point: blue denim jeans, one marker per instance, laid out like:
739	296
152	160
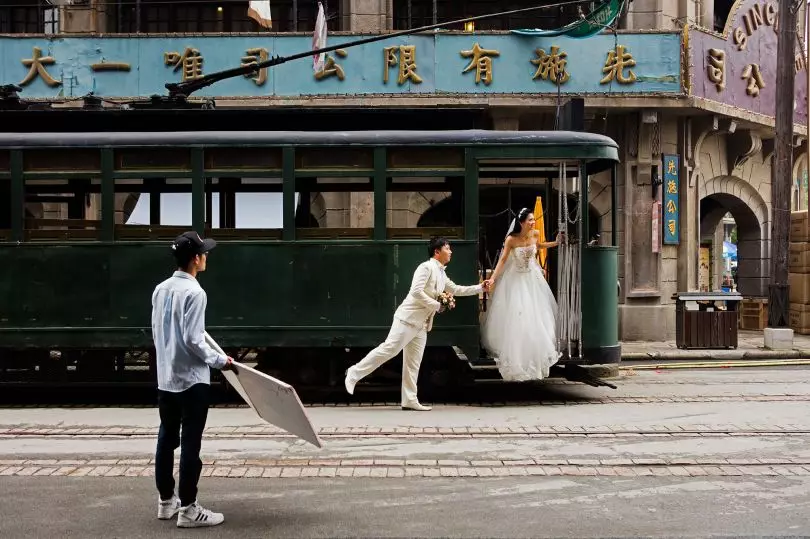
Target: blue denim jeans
189	410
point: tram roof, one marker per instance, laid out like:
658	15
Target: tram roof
573	144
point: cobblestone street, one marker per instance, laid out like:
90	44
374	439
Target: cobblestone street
719	435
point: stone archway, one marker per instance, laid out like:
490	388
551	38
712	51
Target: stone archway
729	194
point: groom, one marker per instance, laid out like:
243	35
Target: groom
412	320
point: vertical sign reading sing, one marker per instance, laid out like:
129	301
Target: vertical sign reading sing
671	200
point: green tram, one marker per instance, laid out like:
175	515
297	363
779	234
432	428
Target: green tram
317	236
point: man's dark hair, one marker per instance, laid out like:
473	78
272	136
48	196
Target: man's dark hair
435	245
183	259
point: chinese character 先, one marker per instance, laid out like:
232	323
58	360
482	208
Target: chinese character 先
481	61
406	61
332	68
671	207
672	188
717	68
191	61
552	65
256	56
671	226
37	63
754	77
617	61
671	166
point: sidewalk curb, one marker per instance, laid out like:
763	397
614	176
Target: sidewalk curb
717	355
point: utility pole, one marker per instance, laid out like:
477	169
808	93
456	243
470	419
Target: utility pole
782	168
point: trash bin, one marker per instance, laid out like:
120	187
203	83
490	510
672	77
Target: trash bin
706	319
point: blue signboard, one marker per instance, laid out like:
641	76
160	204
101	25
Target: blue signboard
672	203
441	63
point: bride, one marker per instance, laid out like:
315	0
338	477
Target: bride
520	326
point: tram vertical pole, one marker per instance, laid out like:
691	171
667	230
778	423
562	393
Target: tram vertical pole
288	193
614	199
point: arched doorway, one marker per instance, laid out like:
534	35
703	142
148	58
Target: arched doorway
734	233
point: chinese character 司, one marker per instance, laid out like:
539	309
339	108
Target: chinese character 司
481	62
191	61
37	63
256	56
551	66
671	226
617	61
755	81
332	68
717	68
406	61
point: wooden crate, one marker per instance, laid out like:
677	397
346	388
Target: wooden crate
798	226
754	313
799	287
800	318
799	257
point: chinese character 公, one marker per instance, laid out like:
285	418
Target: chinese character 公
406	61
551	66
617	61
256	56
37	64
482	63
754	77
191	61
671	207
332	68
717	68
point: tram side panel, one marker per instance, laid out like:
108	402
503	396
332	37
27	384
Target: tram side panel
260	294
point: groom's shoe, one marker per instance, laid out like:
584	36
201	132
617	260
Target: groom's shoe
350	381
416	406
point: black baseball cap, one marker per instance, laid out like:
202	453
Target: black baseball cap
192	243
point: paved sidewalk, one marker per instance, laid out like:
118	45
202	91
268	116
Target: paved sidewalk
750	346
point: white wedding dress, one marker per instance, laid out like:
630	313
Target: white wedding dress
520	325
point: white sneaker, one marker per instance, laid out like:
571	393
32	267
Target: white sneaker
349	382
196	516
168	508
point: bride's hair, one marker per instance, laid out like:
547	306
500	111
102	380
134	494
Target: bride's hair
522	215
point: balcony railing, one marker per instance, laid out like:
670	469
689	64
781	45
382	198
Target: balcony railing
166	16
416	13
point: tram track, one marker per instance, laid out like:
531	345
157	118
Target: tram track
85	432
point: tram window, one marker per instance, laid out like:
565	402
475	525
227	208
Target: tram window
162	214
61	210
423	207
244	207
334	207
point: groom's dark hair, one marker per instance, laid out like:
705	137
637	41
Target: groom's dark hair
436	244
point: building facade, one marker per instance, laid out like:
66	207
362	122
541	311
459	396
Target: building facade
687	90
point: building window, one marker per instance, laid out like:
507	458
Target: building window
29	17
722	9
168	16
416	13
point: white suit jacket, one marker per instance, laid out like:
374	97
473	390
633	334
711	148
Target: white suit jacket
429	280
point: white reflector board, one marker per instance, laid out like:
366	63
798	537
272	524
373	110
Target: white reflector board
273	400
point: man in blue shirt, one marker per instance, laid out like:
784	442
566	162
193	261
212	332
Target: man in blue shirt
184	360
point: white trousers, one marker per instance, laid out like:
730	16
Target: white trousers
402	337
